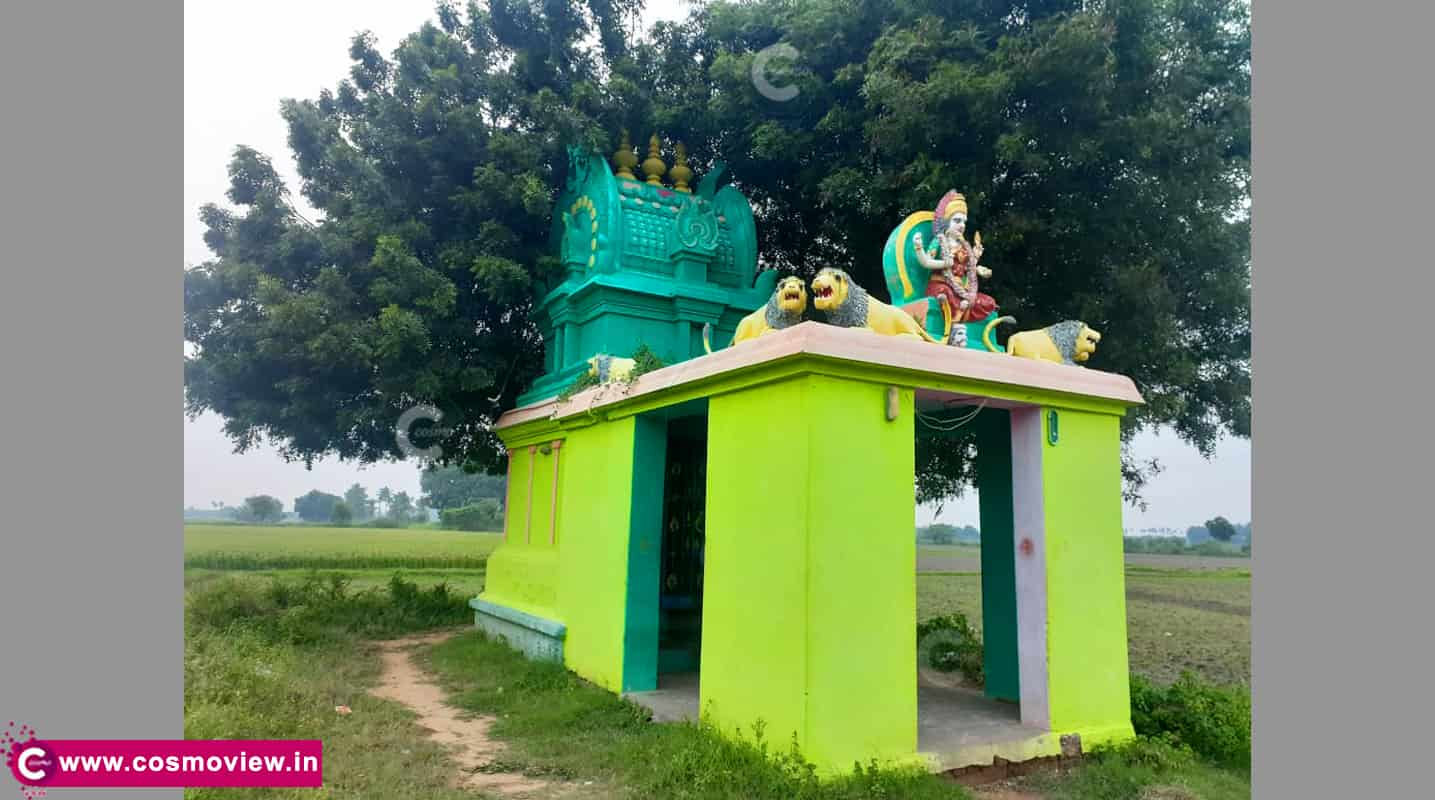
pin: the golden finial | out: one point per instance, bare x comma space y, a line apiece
625, 159
680, 172
654, 165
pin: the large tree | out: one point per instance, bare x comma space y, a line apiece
316, 506
261, 508
1103, 148
451, 487
1221, 529
361, 508
434, 172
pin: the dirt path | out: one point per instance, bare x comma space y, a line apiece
1002, 791
467, 736
1186, 602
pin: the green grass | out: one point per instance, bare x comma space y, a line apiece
252, 547
1142, 770
466, 583
557, 724
271, 648
271, 660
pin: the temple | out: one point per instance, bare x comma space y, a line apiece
732, 535
644, 263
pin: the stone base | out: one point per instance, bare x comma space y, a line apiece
538, 638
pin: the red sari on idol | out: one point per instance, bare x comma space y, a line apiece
939, 286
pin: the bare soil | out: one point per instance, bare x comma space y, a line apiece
474, 751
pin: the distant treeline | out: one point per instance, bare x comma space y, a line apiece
1235, 541
942, 533
458, 499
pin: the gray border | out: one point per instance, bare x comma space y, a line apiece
1341, 487
91, 595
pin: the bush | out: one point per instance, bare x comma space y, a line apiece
385, 522
1213, 721
1161, 545
320, 608
341, 515
1208, 720
950, 644
484, 515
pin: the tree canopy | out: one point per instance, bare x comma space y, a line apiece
316, 506
451, 487
1221, 529
260, 508
360, 507
1104, 149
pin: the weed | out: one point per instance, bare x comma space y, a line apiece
949, 643
1213, 721
320, 608
552, 717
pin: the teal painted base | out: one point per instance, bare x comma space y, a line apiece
640, 639
974, 334
538, 638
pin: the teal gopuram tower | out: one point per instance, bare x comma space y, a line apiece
645, 263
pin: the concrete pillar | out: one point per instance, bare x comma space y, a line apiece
809, 602
1070, 573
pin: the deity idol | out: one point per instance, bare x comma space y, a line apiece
955, 273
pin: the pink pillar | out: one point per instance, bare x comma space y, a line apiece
553, 509
507, 497
528, 524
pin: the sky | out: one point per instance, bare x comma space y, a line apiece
240, 60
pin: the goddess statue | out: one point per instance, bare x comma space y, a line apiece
955, 272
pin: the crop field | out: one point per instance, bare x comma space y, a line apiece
1196, 621
1195, 618
244, 547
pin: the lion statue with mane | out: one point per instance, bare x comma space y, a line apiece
848, 305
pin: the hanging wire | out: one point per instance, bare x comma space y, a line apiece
941, 425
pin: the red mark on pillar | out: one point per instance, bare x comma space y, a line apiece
1027, 547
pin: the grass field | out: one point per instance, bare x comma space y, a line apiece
267, 659
246, 547
1175, 621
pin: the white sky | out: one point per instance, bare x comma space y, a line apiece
240, 60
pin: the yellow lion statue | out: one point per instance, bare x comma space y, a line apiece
848, 305
783, 310
1068, 342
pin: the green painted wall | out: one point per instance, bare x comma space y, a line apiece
595, 504
1086, 602
640, 642
521, 573
810, 594
998, 554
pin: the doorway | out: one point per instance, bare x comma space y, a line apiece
680, 591
662, 643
